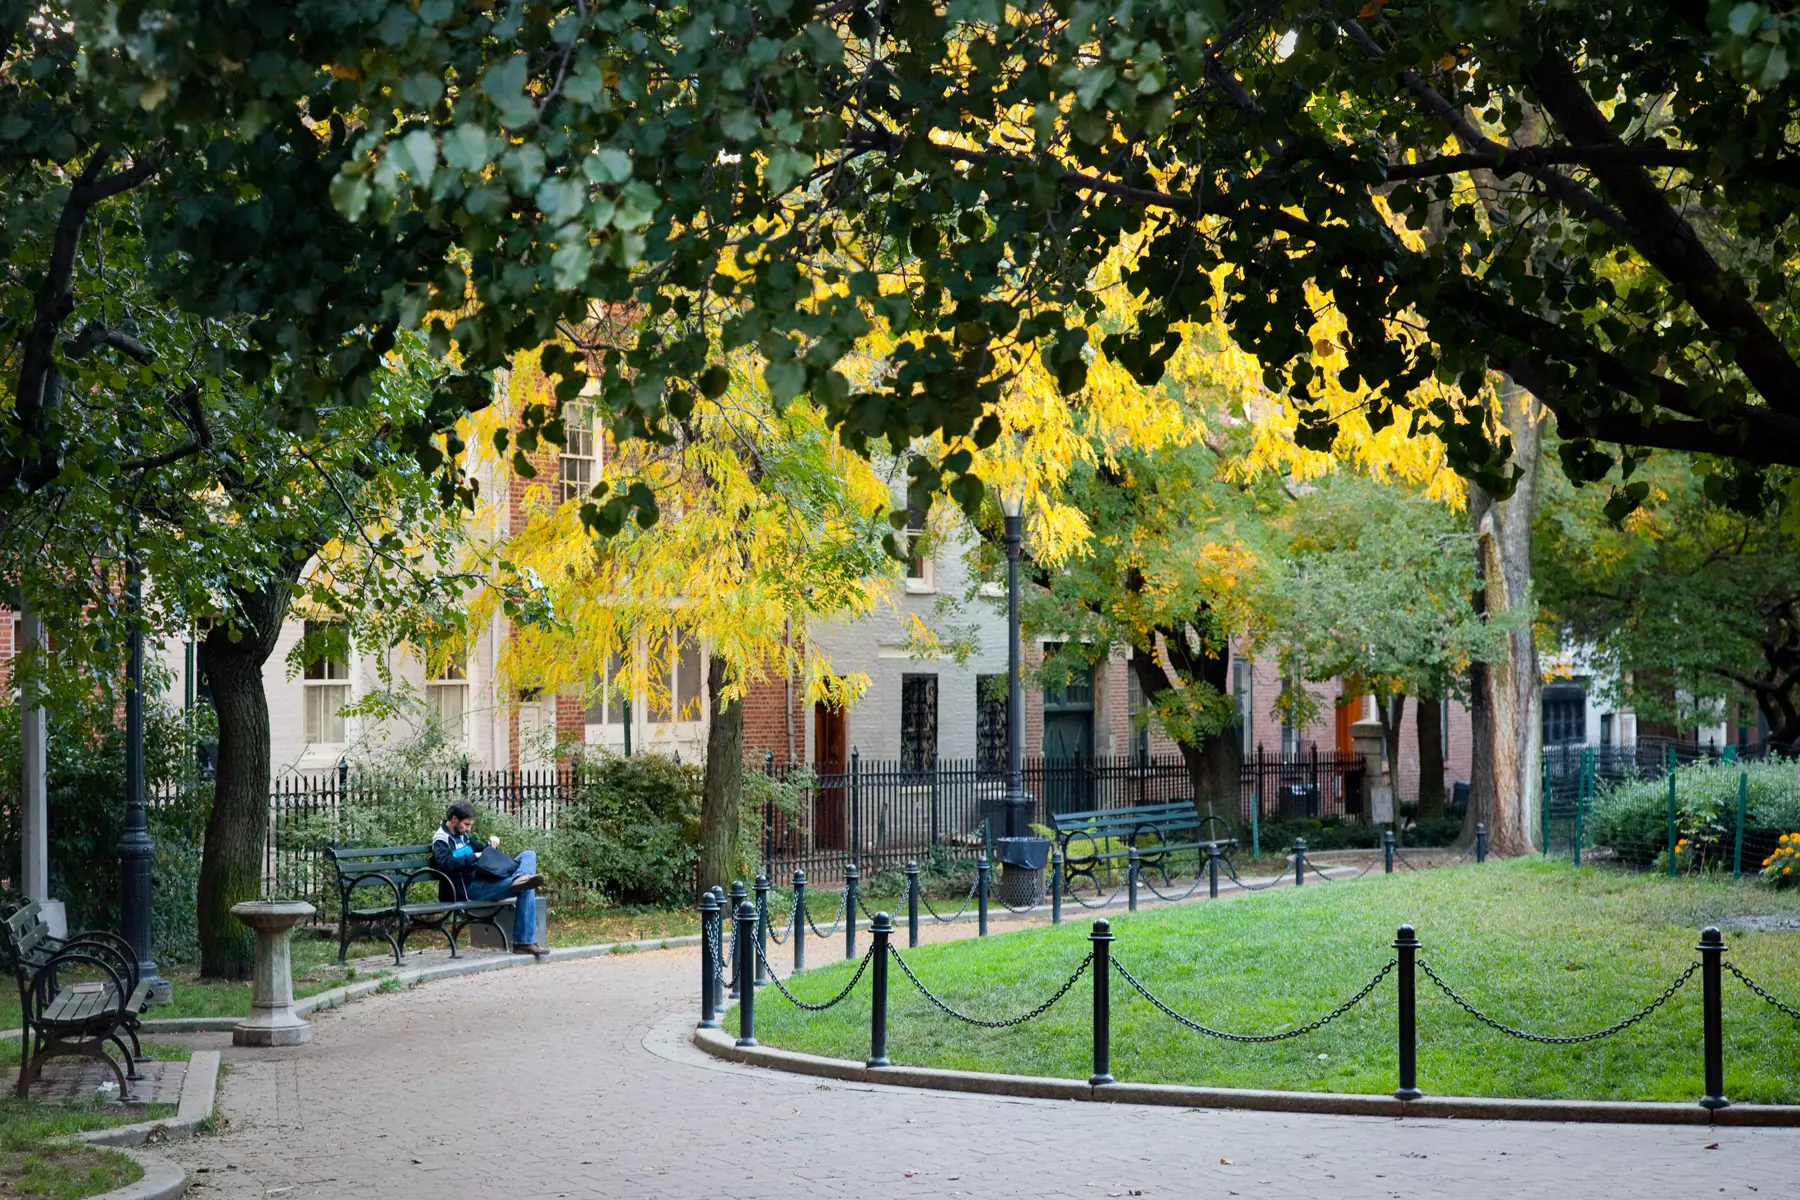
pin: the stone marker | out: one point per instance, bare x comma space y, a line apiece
272, 1021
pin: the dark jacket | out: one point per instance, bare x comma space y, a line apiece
454, 855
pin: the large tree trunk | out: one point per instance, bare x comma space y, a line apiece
231, 867
1392, 711
1430, 719
1215, 763
1508, 726
723, 789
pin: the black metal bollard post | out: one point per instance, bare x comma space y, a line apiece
883, 930
746, 984
1712, 955
1055, 888
1299, 862
1131, 879
981, 895
762, 928
1212, 872
1406, 945
1387, 850
850, 878
912, 904
1101, 939
1480, 841
726, 923
799, 920
709, 966
738, 898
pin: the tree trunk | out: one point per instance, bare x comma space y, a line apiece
1508, 727
238, 827
723, 790
1430, 719
1392, 711
1215, 764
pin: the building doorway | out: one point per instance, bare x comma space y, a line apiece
1069, 740
831, 758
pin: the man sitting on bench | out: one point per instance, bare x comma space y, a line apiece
489, 874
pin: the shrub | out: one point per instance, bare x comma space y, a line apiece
1632, 819
632, 831
1778, 868
85, 782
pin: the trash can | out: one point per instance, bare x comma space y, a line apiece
1024, 859
1297, 800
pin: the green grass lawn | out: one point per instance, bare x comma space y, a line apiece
1542, 946
30, 1166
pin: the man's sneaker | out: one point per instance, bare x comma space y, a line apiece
530, 948
525, 883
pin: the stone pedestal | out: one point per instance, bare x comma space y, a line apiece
272, 1021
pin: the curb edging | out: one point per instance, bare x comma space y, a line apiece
722, 1045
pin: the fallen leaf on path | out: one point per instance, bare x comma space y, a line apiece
1714, 1146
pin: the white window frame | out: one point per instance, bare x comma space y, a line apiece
924, 582
452, 679
327, 691
578, 465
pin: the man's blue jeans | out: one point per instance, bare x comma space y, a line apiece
525, 913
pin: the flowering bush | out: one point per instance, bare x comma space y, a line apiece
1778, 868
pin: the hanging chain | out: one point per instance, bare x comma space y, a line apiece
1551, 1040
836, 921
1257, 1038
793, 915
969, 899
718, 959
1761, 991
1255, 887
831, 1003
1009, 1022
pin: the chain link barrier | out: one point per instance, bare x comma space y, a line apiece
1277, 881
1007, 1023
793, 915
974, 885
1761, 991
1098, 903
837, 922
1256, 1038
718, 959
1367, 867
1545, 1039
831, 1003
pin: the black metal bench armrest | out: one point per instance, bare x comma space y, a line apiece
421, 874
110, 944
43, 984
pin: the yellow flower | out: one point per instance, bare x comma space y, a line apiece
1787, 870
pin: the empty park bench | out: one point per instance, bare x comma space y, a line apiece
76, 994
374, 899
1099, 838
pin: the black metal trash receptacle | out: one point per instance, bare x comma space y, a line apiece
1022, 882
1297, 800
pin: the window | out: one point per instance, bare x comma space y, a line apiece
990, 724
578, 458
447, 696
610, 700
1606, 729
327, 688
918, 566
1140, 718
1565, 715
684, 699
918, 722
1243, 688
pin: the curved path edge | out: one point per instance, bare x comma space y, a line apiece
722, 1045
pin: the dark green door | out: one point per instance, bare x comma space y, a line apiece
1069, 743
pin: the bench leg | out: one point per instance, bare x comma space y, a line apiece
131, 1071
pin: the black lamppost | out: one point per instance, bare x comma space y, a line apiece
135, 846
1012, 508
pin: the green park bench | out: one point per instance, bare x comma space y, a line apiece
1101, 837
375, 885
76, 994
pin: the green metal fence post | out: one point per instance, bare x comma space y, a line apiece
1544, 806
1737, 849
1255, 826
1671, 821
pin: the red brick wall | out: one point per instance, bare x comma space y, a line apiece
766, 716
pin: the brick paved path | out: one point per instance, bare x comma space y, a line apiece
582, 1085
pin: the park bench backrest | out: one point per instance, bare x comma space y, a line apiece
1116, 822
26, 931
401, 866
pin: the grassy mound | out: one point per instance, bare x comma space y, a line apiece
1541, 946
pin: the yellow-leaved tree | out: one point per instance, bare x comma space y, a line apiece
755, 525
